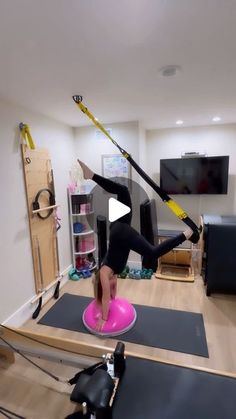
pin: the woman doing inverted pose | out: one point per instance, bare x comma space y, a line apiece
123, 238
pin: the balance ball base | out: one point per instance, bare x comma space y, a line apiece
122, 316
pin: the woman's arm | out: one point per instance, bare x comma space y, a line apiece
113, 282
106, 292
105, 273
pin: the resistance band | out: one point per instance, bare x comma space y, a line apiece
25, 132
89, 370
173, 206
51, 201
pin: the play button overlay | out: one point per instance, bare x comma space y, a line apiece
116, 209
104, 206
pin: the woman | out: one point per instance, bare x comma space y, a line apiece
123, 238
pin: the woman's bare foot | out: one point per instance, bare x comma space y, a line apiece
192, 235
87, 172
188, 233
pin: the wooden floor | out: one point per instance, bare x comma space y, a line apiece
32, 394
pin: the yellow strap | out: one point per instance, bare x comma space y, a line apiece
173, 206
25, 132
176, 209
94, 120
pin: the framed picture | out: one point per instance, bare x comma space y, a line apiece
117, 166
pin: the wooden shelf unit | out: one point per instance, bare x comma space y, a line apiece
176, 265
85, 218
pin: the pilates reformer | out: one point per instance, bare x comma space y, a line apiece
95, 386
126, 385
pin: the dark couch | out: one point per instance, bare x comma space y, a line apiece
220, 248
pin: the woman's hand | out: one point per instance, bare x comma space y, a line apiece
100, 324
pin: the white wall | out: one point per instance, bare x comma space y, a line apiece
171, 143
17, 278
91, 143
87, 143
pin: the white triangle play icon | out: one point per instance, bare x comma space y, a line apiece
117, 210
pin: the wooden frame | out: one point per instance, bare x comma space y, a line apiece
38, 175
173, 263
89, 350
180, 258
172, 273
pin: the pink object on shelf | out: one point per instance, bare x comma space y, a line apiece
72, 187
85, 208
121, 317
86, 244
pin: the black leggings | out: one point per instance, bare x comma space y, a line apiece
121, 191
124, 238
140, 245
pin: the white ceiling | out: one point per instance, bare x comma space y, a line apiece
110, 52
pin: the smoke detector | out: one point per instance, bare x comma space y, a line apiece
170, 70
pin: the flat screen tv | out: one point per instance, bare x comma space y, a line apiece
195, 175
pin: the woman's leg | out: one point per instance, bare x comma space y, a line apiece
108, 185
112, 187
133, 240
121, 191
140, 245
115, 188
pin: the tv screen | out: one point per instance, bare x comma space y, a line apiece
195, 175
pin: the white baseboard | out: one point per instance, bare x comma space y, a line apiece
25, 312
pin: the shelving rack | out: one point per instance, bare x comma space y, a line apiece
83, 238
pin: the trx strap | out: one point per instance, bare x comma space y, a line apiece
25, 132
5, 412
173, 206
19, 352
55, 377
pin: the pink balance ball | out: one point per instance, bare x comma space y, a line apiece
121, 317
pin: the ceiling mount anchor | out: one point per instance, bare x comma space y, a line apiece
77, 98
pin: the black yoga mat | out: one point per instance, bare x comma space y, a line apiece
151, 390
174, 330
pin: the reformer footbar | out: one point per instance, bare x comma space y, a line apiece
173, 206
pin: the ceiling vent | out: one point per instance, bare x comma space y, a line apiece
170, 70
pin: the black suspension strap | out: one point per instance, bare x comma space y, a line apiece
173, 206
89, 370
14, 349
9, 414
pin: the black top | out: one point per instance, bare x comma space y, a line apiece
118, 250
